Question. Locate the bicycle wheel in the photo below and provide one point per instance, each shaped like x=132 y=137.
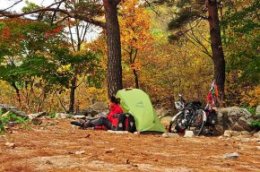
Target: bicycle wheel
x=197 y=122
x=176 y=119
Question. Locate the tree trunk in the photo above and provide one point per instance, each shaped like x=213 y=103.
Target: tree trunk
x=17 y=92
x=136 y=78
x=216 y=46
x=72 y=93
x=114 y=67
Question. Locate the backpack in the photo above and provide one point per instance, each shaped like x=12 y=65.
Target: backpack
x=126 y=122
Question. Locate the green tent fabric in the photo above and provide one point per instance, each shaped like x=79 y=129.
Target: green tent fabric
x=138 y=103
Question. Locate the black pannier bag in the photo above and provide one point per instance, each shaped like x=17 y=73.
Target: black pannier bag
x=126 y=122
x=212 y=117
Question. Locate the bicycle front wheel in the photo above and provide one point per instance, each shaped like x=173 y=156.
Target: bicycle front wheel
x=174 y=122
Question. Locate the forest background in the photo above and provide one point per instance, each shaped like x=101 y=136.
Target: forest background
x=47 y=64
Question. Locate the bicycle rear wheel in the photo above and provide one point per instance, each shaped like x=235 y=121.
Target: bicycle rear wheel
x=197 y=122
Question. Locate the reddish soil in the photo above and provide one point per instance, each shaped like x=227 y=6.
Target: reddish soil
x=55 y=145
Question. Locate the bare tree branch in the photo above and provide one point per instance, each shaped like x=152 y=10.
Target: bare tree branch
x=205 y=50
x=11 y=6
x=51 y=9
x=85 y=29
x=54 y=14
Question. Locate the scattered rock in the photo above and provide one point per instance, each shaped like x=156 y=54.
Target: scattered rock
x=188 y=133
x=37 y=121
x=257 y=134
x=233 y=155
x=78 y=117
x=10 y=145
x=137 y=133
x=237 y=127
x=99 y=107
x=36 y=115
x=134 y=165
x=228 y=133
x=245 y=140
x=62 y=115
x=95 y=109
x=4 y=108
x=48 y=162
x=11 y=124
x=79 y=152
x=220 y=137
x=87 y=136
x=256 y=140
x=246 y=133
x=127 y=161
x=117 y=132
x=109 y=150
x=168 y=135
x=234 y=118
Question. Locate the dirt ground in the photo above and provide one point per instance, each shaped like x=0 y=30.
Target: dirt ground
x=55 y=145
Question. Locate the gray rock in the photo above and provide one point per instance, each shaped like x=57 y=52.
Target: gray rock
x=99 y=107
x=245 y=140
x=94 y=109
x=228 y=133
x=78 y=116
x=257 y=134
x=188 y=133
x=233 y=155
x=36 y=115
x=234 y=118
x=62 y=115
x=118 y=132
x=5 y=108
x=245 y=134
x=237 y=127
x=168 y=135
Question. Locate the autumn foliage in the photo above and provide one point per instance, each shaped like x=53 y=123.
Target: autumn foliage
x=38 y=63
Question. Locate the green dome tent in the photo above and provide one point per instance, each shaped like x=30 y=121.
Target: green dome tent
x=138 y=103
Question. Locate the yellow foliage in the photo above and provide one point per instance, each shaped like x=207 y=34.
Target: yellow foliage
x=64 y=68
x=251 y=96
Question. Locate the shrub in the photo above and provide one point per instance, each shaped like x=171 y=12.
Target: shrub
x=10 y=117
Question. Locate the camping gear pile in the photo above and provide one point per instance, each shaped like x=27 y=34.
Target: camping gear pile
x=139 y=114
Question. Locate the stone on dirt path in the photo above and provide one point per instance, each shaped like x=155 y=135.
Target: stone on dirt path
x=10 y=145
x=233 y=155
x=188 y=133
x=168 y=135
